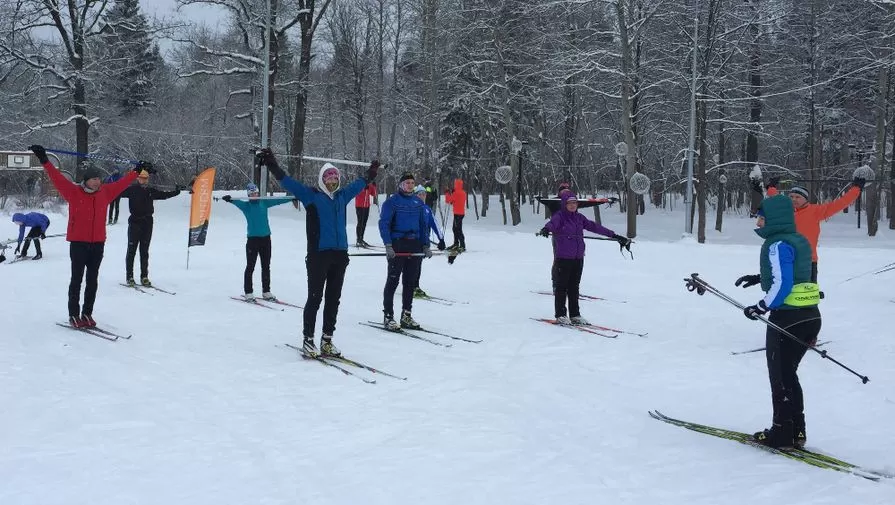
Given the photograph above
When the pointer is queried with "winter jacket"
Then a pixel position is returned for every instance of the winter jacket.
(86, 211)
(326, 220)
(255, 212)
(362, 200)
(403, 217)
(785, 254)
(808, 218)
(31, 220)
(433, 225)
(568, 231)
(140, 198)
(457, 198)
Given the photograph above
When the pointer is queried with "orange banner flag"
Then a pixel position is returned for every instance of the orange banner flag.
(200, 207)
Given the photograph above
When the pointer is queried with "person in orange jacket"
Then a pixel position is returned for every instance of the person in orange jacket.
(457, 198)
(809, 215)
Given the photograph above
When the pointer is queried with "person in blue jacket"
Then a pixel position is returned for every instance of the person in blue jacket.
(327, 257)
(258, 239)
(423, 194)
(39, 224)
(116, 203)
(404, 228)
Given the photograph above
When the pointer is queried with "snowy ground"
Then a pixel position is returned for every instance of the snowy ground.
(205, 406)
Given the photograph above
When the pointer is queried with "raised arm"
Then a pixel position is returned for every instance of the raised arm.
(829, 209)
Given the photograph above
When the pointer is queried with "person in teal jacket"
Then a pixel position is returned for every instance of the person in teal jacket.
(327, 257)
(258, 241)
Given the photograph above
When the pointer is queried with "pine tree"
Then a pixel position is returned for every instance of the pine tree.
(132, 58)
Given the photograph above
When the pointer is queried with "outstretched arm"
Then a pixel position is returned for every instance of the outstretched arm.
(277, 201)
(593, 227)
(829, 209)
(116, 188)
(157, 194)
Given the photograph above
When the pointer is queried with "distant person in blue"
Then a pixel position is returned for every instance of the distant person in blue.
(327, 257)
(404, 228)
(423, 194)
(258, 239)
(116, 203)
(39, 224)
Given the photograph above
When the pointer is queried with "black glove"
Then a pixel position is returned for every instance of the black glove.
(145, 165)
(441, 245)
(427, 252)
(389, 251)
(17, 249)
(773, 181)
(43, 236)
(692, 286)
(622, 241)
(226, 198)
(756, 185)
(753, 311)
(266, 157)
(40, 152)
(748, 280)
(859, 182)
(372, 171)
(543, 233)
(2, 258)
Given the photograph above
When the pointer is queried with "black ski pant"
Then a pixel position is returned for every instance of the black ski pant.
(85, 256)
(363, 214)
(783, 357)
(326, 275)
(114, 207)
(459, 238)
(403, 269)
(139, 234)
(257, 246)
(568, 278)
(34, 234)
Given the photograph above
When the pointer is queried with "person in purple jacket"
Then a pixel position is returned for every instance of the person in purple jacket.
(38, 224)
(567, 227)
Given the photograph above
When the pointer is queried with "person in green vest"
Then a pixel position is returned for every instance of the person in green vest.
(792, 299)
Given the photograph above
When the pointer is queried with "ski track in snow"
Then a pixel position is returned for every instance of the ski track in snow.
(206, 406)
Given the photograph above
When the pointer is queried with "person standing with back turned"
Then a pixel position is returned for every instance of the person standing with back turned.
(457, 198)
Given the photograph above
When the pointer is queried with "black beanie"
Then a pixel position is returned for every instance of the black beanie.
(406, 176)
(91, 173)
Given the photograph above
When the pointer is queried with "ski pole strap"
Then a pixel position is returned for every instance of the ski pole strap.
(806, 294)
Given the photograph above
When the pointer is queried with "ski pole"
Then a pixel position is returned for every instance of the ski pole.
(451, 256)
(95, 156)
(697, 284)
(737, 353)
(874, 271)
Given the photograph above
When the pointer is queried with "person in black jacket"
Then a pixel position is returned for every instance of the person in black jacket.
(139, 225)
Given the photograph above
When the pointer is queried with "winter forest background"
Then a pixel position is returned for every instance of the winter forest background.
(800, 88)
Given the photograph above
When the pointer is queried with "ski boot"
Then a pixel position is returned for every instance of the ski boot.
(563, 320)
(408, 322)
(145, 282)
(309, 348)
(130, 282)
(780, 436)
(390, 324)
(75, 322)
(87, 321)
(419, 293)
(37, 256)
(267, 295)
(327, 348)
(578, 320)
(249, 297)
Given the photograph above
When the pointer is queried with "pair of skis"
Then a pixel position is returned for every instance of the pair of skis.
(594, 329)
(414, 334)
(342, 364)
(809, 457)
(147, 289)
(96, 331)
(436, 299)
(267, 304)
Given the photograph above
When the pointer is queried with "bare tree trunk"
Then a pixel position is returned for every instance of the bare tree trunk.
(511, 135)
(755, 107)
(627, 130)
(873, 196)
(722, 193)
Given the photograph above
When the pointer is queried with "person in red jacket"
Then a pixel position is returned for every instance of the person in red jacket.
(362, 207)
(88, 204)
(457, 198)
